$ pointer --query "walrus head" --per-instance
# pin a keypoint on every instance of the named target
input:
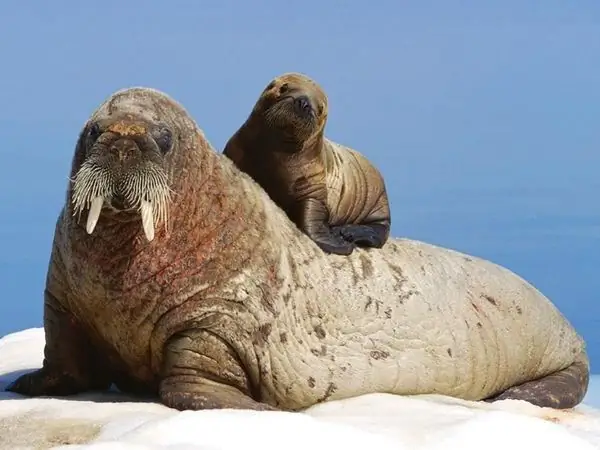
(295, 105)
(122, 167)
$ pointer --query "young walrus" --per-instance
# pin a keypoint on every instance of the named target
(331, 192)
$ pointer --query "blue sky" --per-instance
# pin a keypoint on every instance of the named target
(483, 116)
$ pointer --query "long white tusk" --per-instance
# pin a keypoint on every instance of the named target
(94, 213)
(147, 219)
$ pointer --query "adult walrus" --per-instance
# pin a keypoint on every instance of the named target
(232, 306)
(331, 192)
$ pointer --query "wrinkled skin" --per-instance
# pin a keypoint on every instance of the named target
(331, 192)
(232, 306)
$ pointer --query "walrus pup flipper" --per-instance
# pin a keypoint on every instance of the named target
(313, 220)
(220, 384)
(560, 390)
(71, 364)
(371, 235)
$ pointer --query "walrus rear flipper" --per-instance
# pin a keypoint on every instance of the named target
(560, 390)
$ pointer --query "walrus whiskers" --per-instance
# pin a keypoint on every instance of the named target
(145, 188)
(280, 115)
(91, 185)
(149, 191)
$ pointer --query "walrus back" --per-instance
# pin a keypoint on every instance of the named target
(474, 327)
(414, 318)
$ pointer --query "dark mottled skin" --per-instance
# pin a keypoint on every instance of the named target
(231, 306)
(332, 193)
(564, 389)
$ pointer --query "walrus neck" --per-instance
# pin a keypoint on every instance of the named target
(204, 231)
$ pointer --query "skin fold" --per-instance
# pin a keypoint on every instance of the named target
(227, 304)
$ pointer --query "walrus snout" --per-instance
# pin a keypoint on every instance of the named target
(124, 169)
(124, 150)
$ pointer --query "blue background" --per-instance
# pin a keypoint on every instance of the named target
(483, 116)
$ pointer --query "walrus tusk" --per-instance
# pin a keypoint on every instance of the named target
(94, 213)
(147, 219)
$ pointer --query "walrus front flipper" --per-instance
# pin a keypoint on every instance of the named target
(202, 372)
(71, 364)
(207, 394)
(560, 390)
(312, 220)
(365, 235)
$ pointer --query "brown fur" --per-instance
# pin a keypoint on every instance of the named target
(332, 193)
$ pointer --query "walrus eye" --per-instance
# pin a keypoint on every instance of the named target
(284, 88)
(94, 131)
(163, 138)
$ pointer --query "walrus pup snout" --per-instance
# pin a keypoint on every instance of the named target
(123, 171)
(303, 106)
(331, 192)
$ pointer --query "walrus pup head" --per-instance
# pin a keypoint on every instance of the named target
(331, 192)
(294, 109)
(123, 169)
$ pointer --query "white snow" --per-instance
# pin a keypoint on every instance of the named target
(379, 421)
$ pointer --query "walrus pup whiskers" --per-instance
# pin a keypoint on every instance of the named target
(233, 306)
(331, 192)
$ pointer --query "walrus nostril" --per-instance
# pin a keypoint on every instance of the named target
(302, 105)
(124, 150)
(118, 201)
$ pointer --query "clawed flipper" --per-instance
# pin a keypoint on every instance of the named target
(312, 220)
(560, 390)
(333, 243)
(205, 394)
(71, 364)
(202, 371)
(371, 235)
(43, 382)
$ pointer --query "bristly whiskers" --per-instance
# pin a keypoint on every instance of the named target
(281, 114)
(144, 187)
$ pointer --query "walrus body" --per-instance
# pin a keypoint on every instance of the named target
(331, 192)
(232, 306)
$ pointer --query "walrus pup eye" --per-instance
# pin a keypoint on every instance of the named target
(163, 137)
